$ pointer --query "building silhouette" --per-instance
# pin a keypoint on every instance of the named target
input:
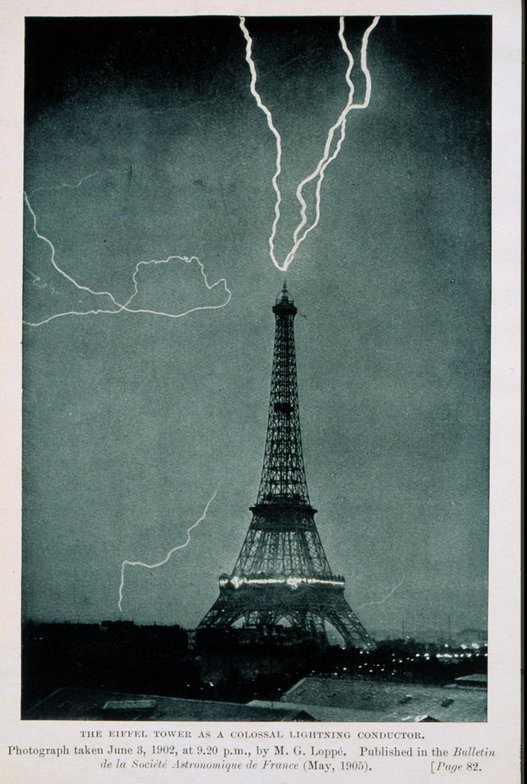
(282, 585)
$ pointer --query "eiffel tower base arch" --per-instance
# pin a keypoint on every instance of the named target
(308, 610)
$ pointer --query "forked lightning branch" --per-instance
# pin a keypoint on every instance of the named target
(331, 148)
(111, 304)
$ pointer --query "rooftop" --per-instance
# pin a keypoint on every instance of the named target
(71, 703)
(478, 679)
(335, 699)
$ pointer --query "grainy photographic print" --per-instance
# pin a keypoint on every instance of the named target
(257, 287)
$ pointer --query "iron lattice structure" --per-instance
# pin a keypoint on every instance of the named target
(282, 573)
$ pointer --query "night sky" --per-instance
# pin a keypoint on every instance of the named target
(132, 420)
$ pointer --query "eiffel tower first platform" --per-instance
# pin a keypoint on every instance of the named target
(282, 574)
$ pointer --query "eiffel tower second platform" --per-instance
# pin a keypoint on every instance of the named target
(282, 576)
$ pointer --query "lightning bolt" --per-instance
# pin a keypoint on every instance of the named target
(36, 281)
(168, 555)
(75, 185)
(113, 306)
(382, 601)
(330, 153)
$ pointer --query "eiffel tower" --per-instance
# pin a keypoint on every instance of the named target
(282, 574)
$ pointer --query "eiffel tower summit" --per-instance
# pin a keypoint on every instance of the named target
(282, 574)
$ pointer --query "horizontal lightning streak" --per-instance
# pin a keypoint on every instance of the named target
(301, 231)
(118, 306)
(75, 185)
(168, 555)
(187, 260)
(382, 601)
